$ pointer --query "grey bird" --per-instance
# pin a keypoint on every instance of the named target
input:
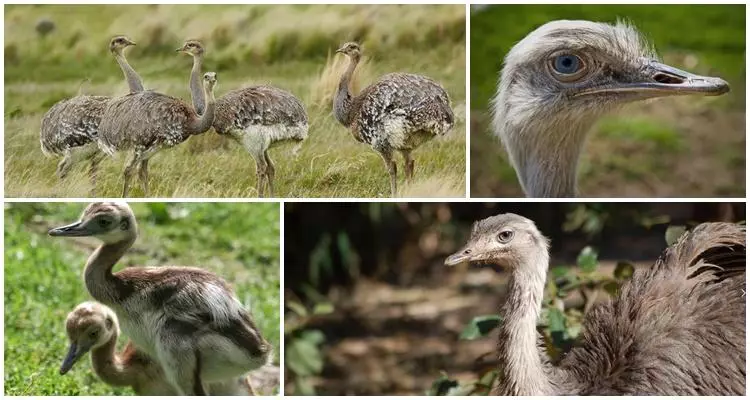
(677, 328)
(399, 112)
(560, 79)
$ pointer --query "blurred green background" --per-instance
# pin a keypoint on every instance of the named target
(239, 242)
(288, 46)
(677, 147)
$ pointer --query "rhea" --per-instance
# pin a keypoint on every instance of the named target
(398, 113)
(71, 127)
(185, 318)
(560, 79)
(93, 327)
(148, 122)
(257, 117)
(677, 328)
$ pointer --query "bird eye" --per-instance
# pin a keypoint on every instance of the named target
(567, 64)
(103, 222)
(93, 334)
(505, 236)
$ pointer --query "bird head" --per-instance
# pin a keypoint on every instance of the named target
(504, 240)
(110, 222)
(118, 43)
(90, 325)
(588, 66)
(192, 47)
(210, 79)
(351, 49)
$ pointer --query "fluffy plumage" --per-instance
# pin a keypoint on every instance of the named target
(677, 328)
(399, 112)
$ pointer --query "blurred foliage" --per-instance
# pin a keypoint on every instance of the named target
(239, 242)
(303, 358)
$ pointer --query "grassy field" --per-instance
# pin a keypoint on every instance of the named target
(678, 147)
(239, 242)
(289, 46)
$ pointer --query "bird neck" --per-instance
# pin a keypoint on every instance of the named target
(525, 366)
(342, 102)
(108, 365)
(197, 94)
(135, 84)
(203, 122)
(101, 283)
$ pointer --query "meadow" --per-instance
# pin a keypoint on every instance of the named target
(239, 242)
(288, 46)
(676, 147)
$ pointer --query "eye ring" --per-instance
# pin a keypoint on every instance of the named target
(505, 236)
(567, 66)
(103, 222)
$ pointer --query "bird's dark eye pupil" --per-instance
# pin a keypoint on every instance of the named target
(567, 64)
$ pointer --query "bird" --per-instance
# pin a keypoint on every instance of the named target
(71, 127)
(677, 328)
(399, 112)
(148, 122)
(93, 327)
(560, 79)
(186, 318)
(257, 117)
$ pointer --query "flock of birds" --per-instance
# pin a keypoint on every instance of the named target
(677, 328)
(397, 113)
(189, 334)
(560, 79)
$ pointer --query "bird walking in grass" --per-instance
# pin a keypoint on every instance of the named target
(560, 79)
(398, 113)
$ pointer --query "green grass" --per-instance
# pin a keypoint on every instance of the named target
(287, 46)
(239, 242)
(664, 148)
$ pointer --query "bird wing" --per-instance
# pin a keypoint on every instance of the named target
(71, 123)
(258, 105)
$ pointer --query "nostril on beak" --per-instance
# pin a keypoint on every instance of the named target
(668, 79)
(467, 251)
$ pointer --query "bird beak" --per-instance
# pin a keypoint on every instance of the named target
(131, 43)
(340, 50)
(74, 229)
(71, 358)
(459, 256)
(657, 80)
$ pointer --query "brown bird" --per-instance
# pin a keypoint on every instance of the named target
(677, 328)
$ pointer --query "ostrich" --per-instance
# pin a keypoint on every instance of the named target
(71, 127)
(257, 117)
(399, 112)
(185, 318)
(560, 79)
(677, 328)
(93, 327)
(148, 122)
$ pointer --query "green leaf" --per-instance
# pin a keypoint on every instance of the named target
(559, 271)
(303, 357)
(297, 308)
(673, 233)
(442, 386)
(587, 259)
(556, 320)
(323, 308)
(313, 336)
(611, 287)
(624, 270)
(481, 326)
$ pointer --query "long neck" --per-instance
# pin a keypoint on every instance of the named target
(134, 81)
(104, 286)
(525, 367)
(197, 94)
(203, 123)
(109, 367)
(342, 101)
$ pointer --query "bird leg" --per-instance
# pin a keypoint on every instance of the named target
(64, 165)
(255, 146)
(408, 165)
(182, 367)
(96, 159)
(270, 173)
(390, 165)
(143, 176)
(128, 172)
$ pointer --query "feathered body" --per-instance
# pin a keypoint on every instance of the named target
(257, 117)
(677, 328)
(131, 367)
(399, 112)
(560, 79)
(186, 318)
